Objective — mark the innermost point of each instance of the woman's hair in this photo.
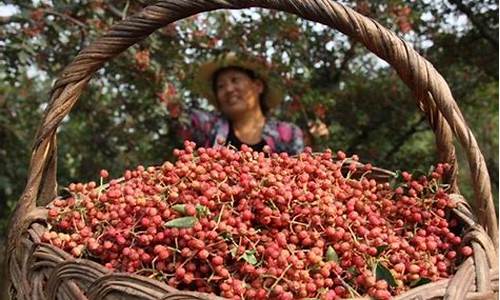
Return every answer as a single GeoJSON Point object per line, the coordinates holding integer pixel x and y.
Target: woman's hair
{"type": "Point", "coordinates": [262, 102]}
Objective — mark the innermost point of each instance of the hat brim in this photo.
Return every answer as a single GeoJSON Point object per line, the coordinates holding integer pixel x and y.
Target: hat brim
{"type": "Point", "coordinates": [202, 82]}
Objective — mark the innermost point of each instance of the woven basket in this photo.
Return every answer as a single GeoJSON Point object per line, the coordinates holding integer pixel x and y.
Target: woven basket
{"type": "Point", "coordinates": [41, 271]}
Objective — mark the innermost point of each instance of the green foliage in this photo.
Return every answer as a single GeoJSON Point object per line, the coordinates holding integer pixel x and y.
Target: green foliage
{"type": "Point", "coordinates": [126, 116]}
{"type": "Point", "coordinates": [183, 222]}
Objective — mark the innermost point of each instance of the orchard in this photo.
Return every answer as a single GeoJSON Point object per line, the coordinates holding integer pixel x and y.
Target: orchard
{"type": "Point", "coordinates": [232, 222]}
{"type": "Point", "coordinates": [259, 225]}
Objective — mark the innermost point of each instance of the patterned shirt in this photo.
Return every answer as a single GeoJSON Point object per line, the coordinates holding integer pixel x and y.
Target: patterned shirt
{"type": "Point", "coordinates": [207, 128]}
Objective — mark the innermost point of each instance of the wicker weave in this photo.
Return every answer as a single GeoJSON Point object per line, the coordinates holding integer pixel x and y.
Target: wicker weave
{"type": "Point", "coordinates": [41, 271]}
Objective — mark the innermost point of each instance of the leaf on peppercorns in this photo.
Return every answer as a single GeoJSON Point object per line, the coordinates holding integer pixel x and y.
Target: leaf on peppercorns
{"type": "Point", "coordinates": [315, 268]}
{"type": "Point", "coordinates": [381, 249]}
{"type": "Point", "coordinates": [418, 173]}
{"type": "Point", "coordinates": [353, 271]}
{"type": "Point", "coordinates": [396, 180]}
{"type": "Point", "coordinates": [202, 211]}
{"type": "Point", "coordinates": [381, 272]}
{"type": "Point", "coordinates": [331, 255]}
{"type": "Point", "coordinates": [420, 281]}
{"type": "Point", "coordinates": [249, 257]}
{"type": "Point", "coordinates": [227, 237]}
{"type": "Point", "coordinates": [184, 222]}
{"type": "Point", "coordinates": [180, 208]}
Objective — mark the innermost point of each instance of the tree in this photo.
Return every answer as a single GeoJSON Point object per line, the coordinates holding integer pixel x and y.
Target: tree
{"type": "Point", "coordinates": [126, 116]}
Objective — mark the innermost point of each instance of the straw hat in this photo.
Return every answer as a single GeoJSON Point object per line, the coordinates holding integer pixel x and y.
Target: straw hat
{"type": "Point", "coordinates": [202, 83]}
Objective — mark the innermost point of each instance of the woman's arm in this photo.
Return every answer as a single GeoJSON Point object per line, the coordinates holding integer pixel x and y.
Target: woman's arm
{"type": "Point", "coordinates": [296, 145]}
{"type": "Point", "coordinates": [286, 137]}
{"type": "Point", "coordinates": [197, 126]}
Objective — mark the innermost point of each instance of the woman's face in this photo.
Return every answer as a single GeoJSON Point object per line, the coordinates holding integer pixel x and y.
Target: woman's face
{"type": "Point", "coordinates": [237, 92]}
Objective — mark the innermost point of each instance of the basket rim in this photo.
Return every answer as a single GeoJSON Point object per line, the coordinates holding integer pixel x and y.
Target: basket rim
{"type": "Point", "coordinates": [431, 92]}
{"type": "Point", "coordinates": [473, 268]}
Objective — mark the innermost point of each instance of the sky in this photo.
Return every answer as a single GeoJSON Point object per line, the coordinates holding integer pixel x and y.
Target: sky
{"type": "Point", "coordinates": [457, 24]}
{"type": "Point", "coordinates": [7, 10]}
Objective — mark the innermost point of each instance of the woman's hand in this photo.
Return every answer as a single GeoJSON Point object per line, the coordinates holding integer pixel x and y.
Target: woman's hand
{"type": "Point", "coordinates": [318, 128]}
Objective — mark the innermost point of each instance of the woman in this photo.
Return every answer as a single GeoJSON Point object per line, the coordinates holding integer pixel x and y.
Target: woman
{"type": "Point", "coordinates": [243, 92]}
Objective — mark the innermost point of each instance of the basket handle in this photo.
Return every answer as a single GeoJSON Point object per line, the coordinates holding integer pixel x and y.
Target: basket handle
{"type": "Point", "coordinates": [430, 90]}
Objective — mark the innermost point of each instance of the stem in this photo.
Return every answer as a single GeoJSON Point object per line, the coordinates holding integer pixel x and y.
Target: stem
{"type": "Point", "coordinates": [292, 221]}
{"type": "Point", "coordinates": [353, 235]}
{"type": "Point", "coordinates": [187, 260]}
{"type": "Point", "coordinates": [278, 279]}
{"type": "Point", "coordinates": [153, 272]}
{"type": "Point", "coordinates": [220, 217]}
{"type": "Point", "coordinates": [347, 286]}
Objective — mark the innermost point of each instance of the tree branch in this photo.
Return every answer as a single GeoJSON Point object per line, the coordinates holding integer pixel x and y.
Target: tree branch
{"type": "Point", "coordinates": [404, 137]}
{"type": "Point", "coordinates": [65, 16]}
{"type": "Point", "coordinates": [477, 22]}
{"type": "Point", "coordinates": [115, 11]}
{"type": "Point", "coordinates": [12, 19]}
{"type": "Point", "coordinates": [345, 62]}
{"type": "Point", "coordinates": [20, 19]}
{"type": "Point", "coordinates": [329, 76]}
{"type": "Point", "coordinates": [365, 132]}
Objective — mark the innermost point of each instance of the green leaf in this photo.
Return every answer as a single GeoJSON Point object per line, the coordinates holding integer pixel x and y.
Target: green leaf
{"type": "Point", "coordinates": [416, 174]}
{"type": "Point", "coordinates": [202, 211]}
{"type": "Point", "coordinates": [353, 271]}
{"type": "Point", "coordinates": [249, 257]}
{"type": "Point", "coordinates": [227, 236]}
{"type": "Point", "coordinates": [184, 222]}
{"type": "Point", "coordinates": [331, 255]}
{"type": "Point", "coordinates": [180, 208]}
{"type": "Point", "coordinates": [381, 272]}
{"type": "Point", "coordinates": [23, 57]}
{"type": "Point", "coordinates": [381, 249]}
{"type": "Point", "coordinates": [395, 181]}
{"type": "Point", "coordinates": [419, 282]}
